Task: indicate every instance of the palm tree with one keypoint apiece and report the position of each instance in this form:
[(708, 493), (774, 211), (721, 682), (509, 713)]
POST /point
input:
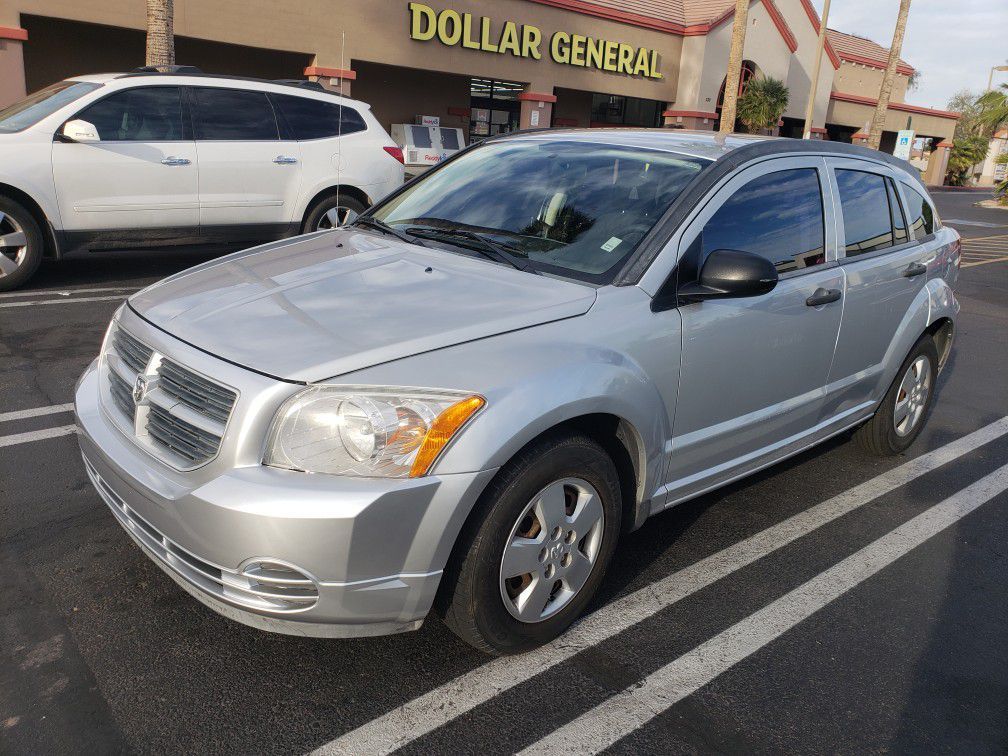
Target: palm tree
[(160, 33), (994, 107), (762, 103), (878, 120), (734, 67)]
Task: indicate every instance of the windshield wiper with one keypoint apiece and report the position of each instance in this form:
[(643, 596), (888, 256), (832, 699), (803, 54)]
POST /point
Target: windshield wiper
[(483, 244), (372, 222)]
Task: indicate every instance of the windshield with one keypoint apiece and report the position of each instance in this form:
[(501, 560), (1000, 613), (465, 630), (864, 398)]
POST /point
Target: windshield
[(573, 208), (45, 102)]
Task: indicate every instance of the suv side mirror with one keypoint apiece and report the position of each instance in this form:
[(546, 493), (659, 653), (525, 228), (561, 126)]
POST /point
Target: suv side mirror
[(79, 131), (731, 273)]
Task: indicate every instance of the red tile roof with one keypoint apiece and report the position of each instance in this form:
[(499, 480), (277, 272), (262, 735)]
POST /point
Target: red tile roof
[(855, 49)]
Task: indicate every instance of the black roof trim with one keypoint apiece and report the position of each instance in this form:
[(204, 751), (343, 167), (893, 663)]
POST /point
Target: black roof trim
[(710, 176), (297, 83)]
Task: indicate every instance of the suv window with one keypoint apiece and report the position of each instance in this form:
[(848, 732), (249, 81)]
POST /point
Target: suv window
[(144, 114), (778, 215), (233, 115), (314, 119), (867, 219), (919, 212)]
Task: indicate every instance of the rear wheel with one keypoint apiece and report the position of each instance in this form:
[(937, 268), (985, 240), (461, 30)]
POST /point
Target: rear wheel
[(526, 571), (332, 212), (901, 415), (21, 244)]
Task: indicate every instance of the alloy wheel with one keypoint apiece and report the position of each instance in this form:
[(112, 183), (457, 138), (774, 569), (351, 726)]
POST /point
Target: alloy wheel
[(13, 245), (912, 396), (335, 217), (552, 550)]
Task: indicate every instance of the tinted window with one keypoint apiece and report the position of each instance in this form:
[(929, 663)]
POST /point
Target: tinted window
[(233, 115), (421, 136), (866, 215), (315, 119), (573, 207), (146, 114), (899, 225), (919, 212), (450, 139), (778, 215), (38, 105)]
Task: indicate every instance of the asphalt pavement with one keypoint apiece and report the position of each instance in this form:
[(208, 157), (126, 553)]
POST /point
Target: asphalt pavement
[(835, 603)]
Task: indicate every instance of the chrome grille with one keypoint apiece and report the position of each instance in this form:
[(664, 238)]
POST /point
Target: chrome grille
[(180, 417), (264, 585), (202, 395)]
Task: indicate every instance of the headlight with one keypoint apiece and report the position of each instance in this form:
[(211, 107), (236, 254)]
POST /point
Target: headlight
[(367, 431)]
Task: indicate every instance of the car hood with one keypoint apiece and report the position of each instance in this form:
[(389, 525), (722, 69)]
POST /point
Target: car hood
[(334, 302)]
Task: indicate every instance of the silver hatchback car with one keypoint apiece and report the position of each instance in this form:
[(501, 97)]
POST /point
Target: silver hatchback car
[(461, 400)]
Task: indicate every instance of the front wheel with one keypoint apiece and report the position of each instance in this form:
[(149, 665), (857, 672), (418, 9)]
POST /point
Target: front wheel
[(20, 244), (900, 417), (550, 522)]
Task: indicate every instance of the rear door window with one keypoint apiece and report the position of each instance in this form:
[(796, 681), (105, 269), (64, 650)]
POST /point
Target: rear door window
[(778, 215), (315, 119), (919, 212), (899, 224), (233, 115), (867, 219), (143, 114)]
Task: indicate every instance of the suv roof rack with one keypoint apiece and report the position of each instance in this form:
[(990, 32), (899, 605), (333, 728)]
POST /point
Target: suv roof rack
[(303, 83), (179, 69)]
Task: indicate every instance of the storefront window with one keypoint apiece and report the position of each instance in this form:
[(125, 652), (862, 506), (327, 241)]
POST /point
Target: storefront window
[(494, 107), (625, 111)]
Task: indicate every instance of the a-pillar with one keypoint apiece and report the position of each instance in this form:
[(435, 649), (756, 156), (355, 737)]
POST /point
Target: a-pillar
[(12, 73), (334, 79), (536, 110), (934, 174), (690, 119)]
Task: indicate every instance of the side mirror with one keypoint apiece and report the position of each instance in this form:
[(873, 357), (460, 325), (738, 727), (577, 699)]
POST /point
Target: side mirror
[(731, 273), (79, 131)]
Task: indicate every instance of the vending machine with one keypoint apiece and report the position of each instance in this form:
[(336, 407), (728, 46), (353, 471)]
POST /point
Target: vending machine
[(426, 142)]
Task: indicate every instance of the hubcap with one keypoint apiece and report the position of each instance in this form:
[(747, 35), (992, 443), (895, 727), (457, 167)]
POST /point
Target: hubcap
[(552, 549), (13, 245), (335, 217), (912, 396)]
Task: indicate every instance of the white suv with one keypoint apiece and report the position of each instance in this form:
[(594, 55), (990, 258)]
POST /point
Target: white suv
[(153, 159)]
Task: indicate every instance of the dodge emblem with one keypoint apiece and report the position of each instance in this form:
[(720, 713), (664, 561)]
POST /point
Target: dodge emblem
[(140, 389)]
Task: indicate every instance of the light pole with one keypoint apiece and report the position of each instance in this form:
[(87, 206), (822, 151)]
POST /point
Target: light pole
[(810, 107), (990, 78)]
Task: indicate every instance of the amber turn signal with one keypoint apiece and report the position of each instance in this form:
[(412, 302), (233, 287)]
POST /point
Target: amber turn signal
[(441, 431)]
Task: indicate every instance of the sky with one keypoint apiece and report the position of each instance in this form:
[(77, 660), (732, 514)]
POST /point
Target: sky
[(953, 44)]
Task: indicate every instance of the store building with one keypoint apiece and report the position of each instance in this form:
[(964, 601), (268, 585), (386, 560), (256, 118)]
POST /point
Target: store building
[(489, 67)]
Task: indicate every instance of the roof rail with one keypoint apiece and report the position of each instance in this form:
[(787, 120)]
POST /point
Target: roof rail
[(303, 83), (173, 69)]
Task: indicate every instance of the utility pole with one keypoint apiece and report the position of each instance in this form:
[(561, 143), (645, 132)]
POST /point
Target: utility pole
[(810, 107), (878, 120), (734, 74), (990, 77)]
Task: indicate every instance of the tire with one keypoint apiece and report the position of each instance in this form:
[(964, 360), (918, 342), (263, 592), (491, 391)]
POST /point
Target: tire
[(883, 435), (20, 261), (477, 603), (319, 217)]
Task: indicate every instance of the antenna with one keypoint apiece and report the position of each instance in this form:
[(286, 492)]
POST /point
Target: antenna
[(339, 132)]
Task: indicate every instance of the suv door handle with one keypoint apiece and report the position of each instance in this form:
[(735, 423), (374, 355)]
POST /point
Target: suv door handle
[(172, 160), (284, 160), (823, 296), (915, 269)]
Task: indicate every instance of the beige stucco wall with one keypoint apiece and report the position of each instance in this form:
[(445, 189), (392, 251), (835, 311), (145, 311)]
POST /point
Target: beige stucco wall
[(378, 31), (856, 78), (12, 79), (858, 115)]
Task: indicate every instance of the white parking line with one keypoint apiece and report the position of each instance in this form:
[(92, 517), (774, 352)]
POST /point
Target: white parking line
[(68, 300), (66, 292), (625, 712), (35, 412), (429, 711), (24, 438)]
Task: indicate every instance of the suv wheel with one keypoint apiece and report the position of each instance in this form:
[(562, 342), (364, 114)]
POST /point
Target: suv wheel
[(332, 212), (901, 415), (526, 571), (20, 244)]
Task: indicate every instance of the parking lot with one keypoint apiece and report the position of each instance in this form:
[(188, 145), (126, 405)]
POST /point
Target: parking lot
[(833, 603)]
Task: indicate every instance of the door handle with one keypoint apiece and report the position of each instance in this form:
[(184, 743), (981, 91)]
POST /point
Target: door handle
[(284, 160), (172, 160), (915, 269), (823, 296)]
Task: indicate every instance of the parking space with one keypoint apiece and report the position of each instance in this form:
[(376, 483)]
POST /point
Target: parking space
[(832, 603)]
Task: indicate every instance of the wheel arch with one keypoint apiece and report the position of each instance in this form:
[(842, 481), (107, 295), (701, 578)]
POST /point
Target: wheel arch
[(351, 191), (52, 249)]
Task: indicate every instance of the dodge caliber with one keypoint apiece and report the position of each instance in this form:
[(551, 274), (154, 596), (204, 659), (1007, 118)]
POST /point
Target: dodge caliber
[(458, 402)]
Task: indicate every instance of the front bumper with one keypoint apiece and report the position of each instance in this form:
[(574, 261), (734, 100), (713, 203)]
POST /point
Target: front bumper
[(364, 555)]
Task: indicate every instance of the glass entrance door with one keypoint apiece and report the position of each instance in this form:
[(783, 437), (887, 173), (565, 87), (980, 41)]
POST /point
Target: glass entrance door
[(494, 108)]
